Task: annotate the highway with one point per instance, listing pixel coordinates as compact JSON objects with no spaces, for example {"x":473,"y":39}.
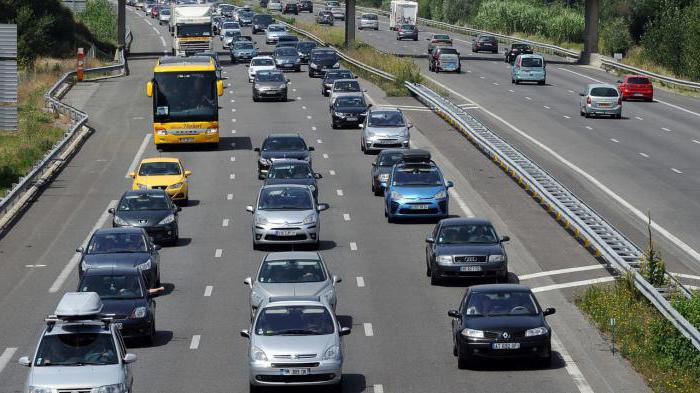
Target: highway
{"x":647,"y":161}
{"x":400,"y":340}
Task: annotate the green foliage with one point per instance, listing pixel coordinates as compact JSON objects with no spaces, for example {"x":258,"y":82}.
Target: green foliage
{"x":690,"y":58}
{"x":101,"y":20}
{"x":615,"y":37}
{"x":653,"y":267}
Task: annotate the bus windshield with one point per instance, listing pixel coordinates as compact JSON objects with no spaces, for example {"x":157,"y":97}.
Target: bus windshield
{"x":185,"y":96}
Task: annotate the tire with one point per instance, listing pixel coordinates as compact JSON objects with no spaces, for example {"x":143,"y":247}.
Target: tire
{"x":255,"y":99}
{"x":463,"y":360}
{"x":517,"y":82}
{"x":541,"y":83}
{"x":503,"y":279}
{"x":256,"y":246}
{"x":434,"y":278}
{"x":586,"y":114}
{"x":151,"y":338}
{"x":333,"y":125}
{"x":618,"y":116}
{"x":377,"y":191}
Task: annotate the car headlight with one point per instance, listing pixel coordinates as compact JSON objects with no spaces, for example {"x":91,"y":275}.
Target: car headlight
{"x":176,"y":185}
{"x":396,"y":195}
{"x":39,"y":389}
{"x":120,"y":221}
{"x":212,"y":130}
{"x":445,"y":259}
{"x":264,"y":161}
{"x":312,"y":188}
{"x":142,"y":186}
{"x":384,"y":177}
{"x":336,"y":65}
{"x":497,"y":258}
{"x":313,"y":65}
{"x":310,"y":219}
{"x":258,"y":354}
{"x":260,"y":220}
{"x":139,"y":312}
{"x":339,"y":114}
{"x":297,"y":60}
{"x":538,"y":331}
{"x":282,"y":86}
{"x":144,"y":266}
{"x":167,"y":220}
{"x":332,"y":353}
{"x":116,"y":388}
{"x":440,"y":194}
{"x":473,"y":333}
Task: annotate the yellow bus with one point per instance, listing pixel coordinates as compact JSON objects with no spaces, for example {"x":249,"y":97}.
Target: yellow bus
{"x":185,"y":93}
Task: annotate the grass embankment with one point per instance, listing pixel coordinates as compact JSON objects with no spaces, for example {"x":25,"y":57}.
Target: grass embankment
{"x":666,"y":359}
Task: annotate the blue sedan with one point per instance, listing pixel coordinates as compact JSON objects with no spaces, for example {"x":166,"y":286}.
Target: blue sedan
{"x":416,"y":190}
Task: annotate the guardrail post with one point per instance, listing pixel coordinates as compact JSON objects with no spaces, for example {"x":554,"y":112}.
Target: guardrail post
{"x":349,"y":22}
{"x":121,"y":23}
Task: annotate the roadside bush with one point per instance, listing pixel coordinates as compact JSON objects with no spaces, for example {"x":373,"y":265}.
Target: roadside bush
{"x":663,"y":41}
{"x":615,"y":37}
{"x":99,"y":17}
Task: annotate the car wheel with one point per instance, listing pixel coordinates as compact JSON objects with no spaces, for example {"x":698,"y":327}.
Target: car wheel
{"x":618,"y":116}
{"x":434,"y":278}
{"x":503,"y":279}
{"x":540,"y":82}
{"x":151,"y":338}
{"x":463,"y":360}
{"x":377,"y":191}
{"x":512,"y":80}
{"x":517,"y":82}
{"x":284,"y":99}
{"x":586,"y":114}
{"x":255,"y":99}
{"x":333,"y":125}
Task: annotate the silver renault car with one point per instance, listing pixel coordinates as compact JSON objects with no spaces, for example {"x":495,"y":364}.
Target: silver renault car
{"x":600,"y":99}
{"x":385,"y":128}
{"x":295,"y":341}
{"x":293,"y":273}
{"x":286,"y":214}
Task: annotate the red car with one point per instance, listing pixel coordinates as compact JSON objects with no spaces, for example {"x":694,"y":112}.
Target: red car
{"x":154,"y":11}
{"x":636,"y":87}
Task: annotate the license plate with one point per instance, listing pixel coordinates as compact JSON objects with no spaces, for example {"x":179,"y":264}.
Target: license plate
{"x":470,"y":268}
{"x":420,"y":207}
{"x":351,"y":118}
{"x":285,"y":233}
{"x":185,"y":140}
{"x":118,"y":325}
{"x":294,"y":371}
{"x":270,"y":92}
{"x":638,"y":94}
{"x":287,"y":65}
{"x":505,"y":345}
{"x":604,"y":104}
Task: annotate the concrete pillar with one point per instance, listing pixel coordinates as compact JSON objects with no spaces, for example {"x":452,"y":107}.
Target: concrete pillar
{"x":590,"y":39}
{"x":349,"y":22}
{"x":121,"y":23}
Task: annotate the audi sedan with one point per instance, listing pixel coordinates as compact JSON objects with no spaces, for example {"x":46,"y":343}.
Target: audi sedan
{"x":151,"y":210}
{"x":465,"y":247}
{"x":500,"y":321}
{"x":286,"y":214}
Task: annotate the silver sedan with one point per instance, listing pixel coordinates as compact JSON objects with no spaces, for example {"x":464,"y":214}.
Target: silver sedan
{"x":273,"y":33}
{"x":293,"y":273}
{"x":601,"y":99}
{"x":384,"y":128}
{"x":286,"y":214}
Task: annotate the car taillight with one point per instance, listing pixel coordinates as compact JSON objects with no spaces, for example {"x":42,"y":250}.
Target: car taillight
{"x":619,"y":100}
{"x":589,"y":101}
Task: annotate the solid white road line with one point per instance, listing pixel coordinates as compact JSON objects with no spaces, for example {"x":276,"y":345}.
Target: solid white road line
{"x":138,"y":155}
{"x":567,"y":117}
{"x":696,"y":141}
{"x":229,"y":197}
{"x":676,"y":170}
{"x":319,"y":141}
{"x":224,"y":223}
{"x":378,"y":388}
{"x":218,"y":253}
{"x":462,"y":205}
{"x":560,"y":271}
{"x":339,"y":192}
{"x":148,"y":22}
{"x":332,"y":172}
{"x":546,"y":107}
{"x":644,"y":155}
{"x":614,"y":140}
{"x":665,"y":129}
{"x":690,"y":276}
{"x":194,"y":344}
{"x":207,"y":290}
{"x":156,"y":30}
{"x":233,"y":158}
{"x":73,"y":262}
{"x":6,"y":357}
{"x":162,"y":41}
{"x":638,"y":118}
{"x":353,"y":246}
{"x":571,"y":366}
{"x":346,"y":217}
{"x":572,"y":284}
{"x":369,"y":332}
{"x":360,"y":281}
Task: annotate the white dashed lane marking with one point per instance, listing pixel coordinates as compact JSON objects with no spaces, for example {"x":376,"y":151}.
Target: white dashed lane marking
{"x":638,"y":118}
{"x":360,"y":281}
{"x":207,"y":290}
{"x":528,"y":98}
{"x":229,"y":197}
{"x":644,"y":155}
{"x":378,"y":388}
{"x":339,"y":192}
{"x":567,"y":117}
{"x":232,"y":176}
{"x":546,"y":107}
{"x":233,"y":158}
{"x":614,"y":140}
{"x":353,"y":246}
{"x":319,"y":141}
{"x":325,"y":155}
{"x":346,"y":217}
{"x":696,"y":141}
{"x":194,"y":344}
{"x":369,"y":332}
{"x":332,"y":172}
{"x":6,"y":357}
{"x":589,"y":127}
{"x":218,"y":253}
{"x":313,"y":128}
{"x":224,"y":223}
{"x":665,"y":129}
{"x":676,"y":170}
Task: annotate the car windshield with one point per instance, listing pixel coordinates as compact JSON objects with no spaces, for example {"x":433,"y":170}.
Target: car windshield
{"x":143,"y":202}
{"x":262,"y":62}
{"x":291,"y":271}
{"x":352,"y":102}
{"x":638,"y":81}
{"x":185,"y":96}
{"x":487,"y":38}
{"x":262,"y":19}
{"x":232,"y":33}
{"x":389,"y":159}
{"x":245,"y":14}
{"x":333,"y":75}
{"x":369,"y":17}
{"x":294,"y":321}
{"x":290,"y":171}
{"x":199,"y":30}
{"x":346,"y":86}
{"x":467,"y":234}
{"x":114,"y":243}
{"x":231,"y":25}
{"x":286,"y":51}
{"x":501,"y":303}
{"x":159,"y":169}
{"x":76,"y":349}
{"x":520,"y":46}
{"x":275,"y":28}
{"x":165,"y":11}
{"x":408,"y":27}
{"x":243,"y":45}
{"x":118,"y":286}
{"x":531,"y":62}
{"x":386,"y":119}
{"x":417,"y":175}
{"x":285,"y":198}
{"x":283,"y":143}
{"x":306,"y":46}
{"x":441,"y":37}
{"x":323,"y":56}
{"x":603,"y":92}
{"x":262,"y":76}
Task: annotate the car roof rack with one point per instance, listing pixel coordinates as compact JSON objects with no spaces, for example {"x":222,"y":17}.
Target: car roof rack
{"x":79,"y":306}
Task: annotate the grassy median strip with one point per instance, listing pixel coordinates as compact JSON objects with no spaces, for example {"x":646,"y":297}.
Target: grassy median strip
{"x":666,"y":359}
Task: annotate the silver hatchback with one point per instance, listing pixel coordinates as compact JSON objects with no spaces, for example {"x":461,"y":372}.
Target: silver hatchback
{"x":295,"y":341}
{"x":293,"y":273}
{"x":600,"y":99}
{"x":385,"y":128}
{"x":368,"y":21}
{"x":286,"y":214}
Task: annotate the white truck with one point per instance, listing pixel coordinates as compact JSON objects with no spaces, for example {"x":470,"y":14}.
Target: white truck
{"x":402,"y":12}
{"x":190,"y":26}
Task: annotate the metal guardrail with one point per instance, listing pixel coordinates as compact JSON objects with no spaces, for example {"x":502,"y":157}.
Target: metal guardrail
{"x":79,"y":120}
{"x":611,"y":63}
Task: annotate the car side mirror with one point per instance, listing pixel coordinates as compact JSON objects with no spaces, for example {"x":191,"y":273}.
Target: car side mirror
{"x":344,"y":331}
{"x":220,"y":88}
{"x":318,"y":176}
{"x":129,"y":358}
{"x":248,"y":281}
{"x":449,"y":184}
{"x":322,"y":206}
{"x":364,"y":90}
{"x":505,"y":239}
{"x":245,"y":333}
{"x":188,"y":173}
{"x":249,"y":208}
{"x":157,"y":247}
{"x":132,"y":174}
{"x":362,"y":126}
{"x":430,"y":239}
{"x":409,"y":125}
{"x":549,"y":311}
{"x":336,"y":279}
{"x":110,"y":210}
{"x":454,"y":314}
{"x":619,"y":81}
{"x":369,"y":105}
{"x":256,"y":149}
{"x":155,"y":292}
{"x":149,"y":89}
{"x":289,"y":81}
{"x":24,"y":361}
{"x":311,"y":148}
{"x":80,"y":249}
{"x":177,"y":209}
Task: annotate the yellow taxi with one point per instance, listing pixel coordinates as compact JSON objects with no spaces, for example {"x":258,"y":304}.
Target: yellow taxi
{"x":163,"y":173}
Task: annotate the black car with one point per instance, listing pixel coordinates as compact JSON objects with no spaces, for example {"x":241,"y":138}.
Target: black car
{"x":486,"y":43}
{"x":152,"y":210}
{"x":517,"y":48}
{"x":330,"y":77}
{"x":270,"y":84}
{"x":293,"y":171}
{"x":465,"y":247}
{"x":381,"y":168}
{"x":279,"y":146}
{"x":261,"y":21}
{"x":290,"y":8}
{"x":322,"y":60}
{"x":348,"y":111}
{"x":306,"y":5}
{"x":500,"y":321}
{"x":121,"y":247}
{"x":125,"y":293}
{"x":304,"y":48}
{"x":263,"y":3}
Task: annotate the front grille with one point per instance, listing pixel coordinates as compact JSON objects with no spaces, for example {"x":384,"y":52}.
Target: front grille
{"x":286,"y":229}
{"x":194,"y":46}
{"x":275,"y":238}
{"x":295,"y":378}
{"x":298,"y":356}
{"x":497,"y":335}
{"x":159,"y":187}
{"x":470,"y":258}
{"x":184,"y":132}
{"x":418,"y":212}
{"x":297,"y":365}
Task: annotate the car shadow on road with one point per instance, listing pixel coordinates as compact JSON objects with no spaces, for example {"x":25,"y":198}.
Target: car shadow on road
{"x":352,"y":383}
{"x":345,"y":320}
{"x":183,"y":241}
{"x":234,"y":143}
{"x":163,"y":337}
{"x":517,"y":364}
{"x":421,"y":221}
{"x":169,"y":288}
{"x":467,"y":282}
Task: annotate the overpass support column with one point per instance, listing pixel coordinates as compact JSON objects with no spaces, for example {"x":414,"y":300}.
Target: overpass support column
{"x":590,"y":39}
{"x":349,"y":22}
{"x":121,"y":23}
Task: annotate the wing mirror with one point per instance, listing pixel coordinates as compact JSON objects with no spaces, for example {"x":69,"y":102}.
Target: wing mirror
{"x":430,"y":239}
{"x":245,"y":333}
{"x":132,"y":174}
{"x":177,"y":209}
{"x":505,"y":239}
{"x":129,"y":358}
{"x":344,"y":331}
{"x":409,"y":125}
{"x":256,"y":149}
{"x":322,"y":206}
{"x":449,"y":184}
{"x":318,"y":176}
{"x":336,"y":279}
{"x":549,"y":311}
{"x":619,"y":81}
{"x":149,"y":89}
{"x":188,"y":173}
{"x":311,"y":148}
{"x":454,"y":314}
{"x":25,"y":361}
{"x":110,"y":210}
{"x":248,"y":281}
{"x":249,"y":208}
{"x":157,"y":247}
{"x":80,"y":249}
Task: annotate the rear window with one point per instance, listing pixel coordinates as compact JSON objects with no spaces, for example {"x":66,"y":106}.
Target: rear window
{"x":487,"y":38}
{"x":443,"y":37}
{"x":369,"y":17}
{"x":448,"y":51}
{"x":638,"y":81}
{"x":604,"y":92}
{"x":531,"y":62}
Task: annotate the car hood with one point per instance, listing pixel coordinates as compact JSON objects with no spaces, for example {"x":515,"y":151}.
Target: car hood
{"x":284,"y":216}
{"x":304,"y":182}
{"x":510,"y":323}
{"x":117,"y":260}
{"x":469,"y":249}
{"x":350,"y":109}
{"x":417,"y":192}
{"x":337,"y":94}
{"x":75,"y":377}
{"x":255,"y":69}
{"x":292,"y":289}
{"x":143,"y":218}
{"x":244,"y":50}
{"x":387,"y":131}
{"x":275,"y":33}
{"x":123,"y":307}
{"x":159,"y":180}
{"x":275,"y":85}
{"x":298,"y":154}
{"x":287,"y":345}
{"x":286,"y":58}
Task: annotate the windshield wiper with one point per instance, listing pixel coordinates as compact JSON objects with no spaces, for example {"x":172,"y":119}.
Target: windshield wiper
{"x":295,"y":332}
